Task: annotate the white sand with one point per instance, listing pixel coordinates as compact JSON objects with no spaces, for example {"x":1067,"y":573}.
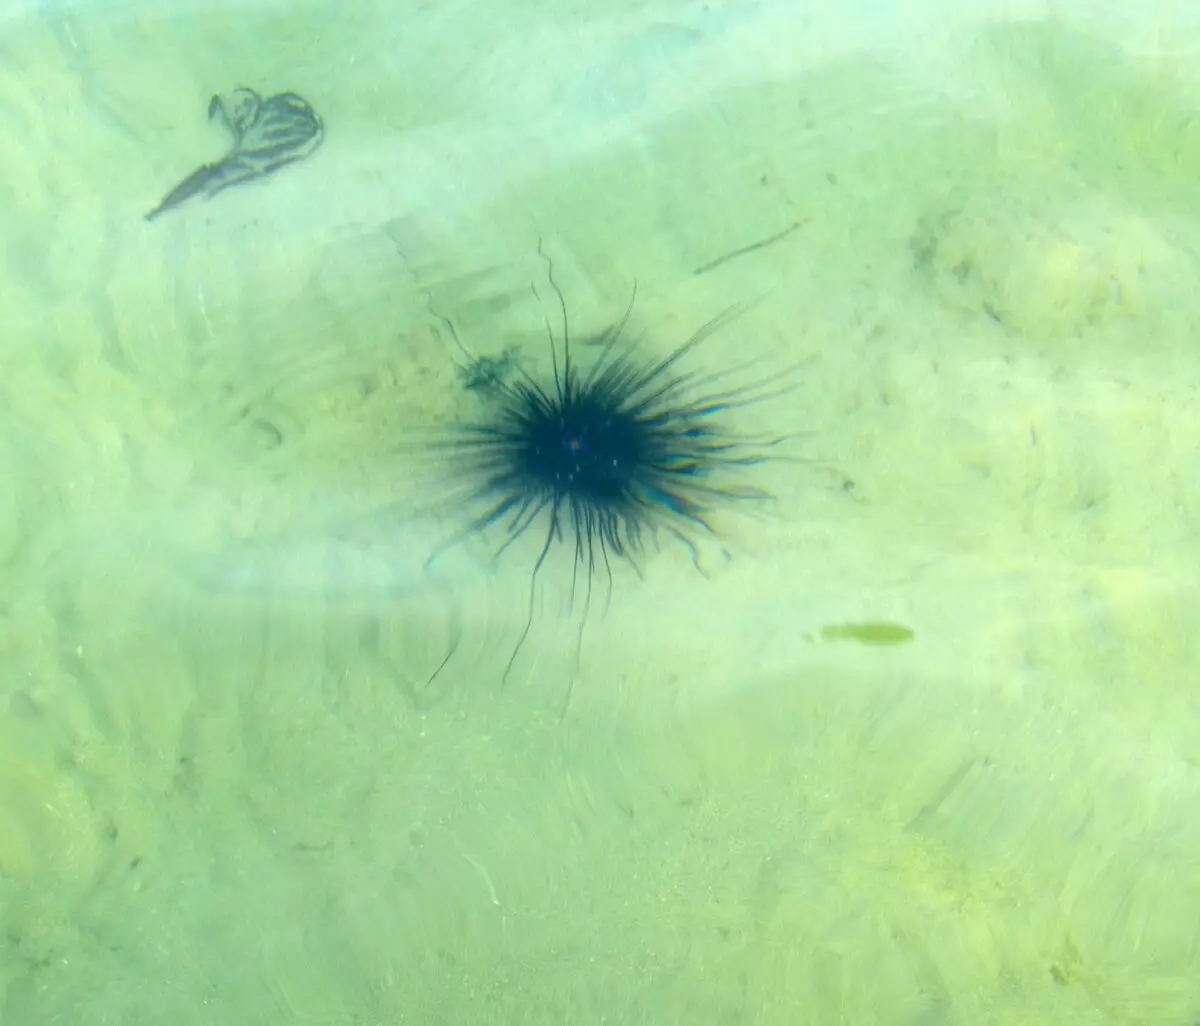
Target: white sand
{"x":227,"y":795}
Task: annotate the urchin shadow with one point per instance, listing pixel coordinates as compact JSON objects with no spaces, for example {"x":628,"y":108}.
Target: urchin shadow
{"x":603,"y":459}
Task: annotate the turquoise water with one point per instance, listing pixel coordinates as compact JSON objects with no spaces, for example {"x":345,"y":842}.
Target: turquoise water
{"x":918,"y":746}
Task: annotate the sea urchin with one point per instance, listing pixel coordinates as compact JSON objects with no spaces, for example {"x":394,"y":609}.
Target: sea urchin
{"x":604,"y":458}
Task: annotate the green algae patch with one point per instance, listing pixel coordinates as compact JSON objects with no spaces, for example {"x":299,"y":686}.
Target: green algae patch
{"x":869,"y":633}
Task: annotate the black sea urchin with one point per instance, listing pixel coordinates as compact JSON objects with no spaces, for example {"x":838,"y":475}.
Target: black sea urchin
{"x":605,"y":458}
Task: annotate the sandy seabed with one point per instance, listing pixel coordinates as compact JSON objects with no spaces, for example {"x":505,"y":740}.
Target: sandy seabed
{"x":229,"y":791}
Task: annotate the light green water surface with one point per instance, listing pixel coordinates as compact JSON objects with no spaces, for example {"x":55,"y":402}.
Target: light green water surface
{"x":919,"y":748}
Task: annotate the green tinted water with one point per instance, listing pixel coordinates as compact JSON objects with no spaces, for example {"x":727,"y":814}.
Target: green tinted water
{"x":918,"y":747}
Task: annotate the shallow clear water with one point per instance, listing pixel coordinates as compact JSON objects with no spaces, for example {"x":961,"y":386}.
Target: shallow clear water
{"x":918,"y":745}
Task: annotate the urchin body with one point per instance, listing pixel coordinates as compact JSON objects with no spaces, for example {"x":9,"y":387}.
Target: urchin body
{"x":605,"y":457}
{"x":609,"y":457}
{"x":603,"y":460}
{"x":578,"y":453}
